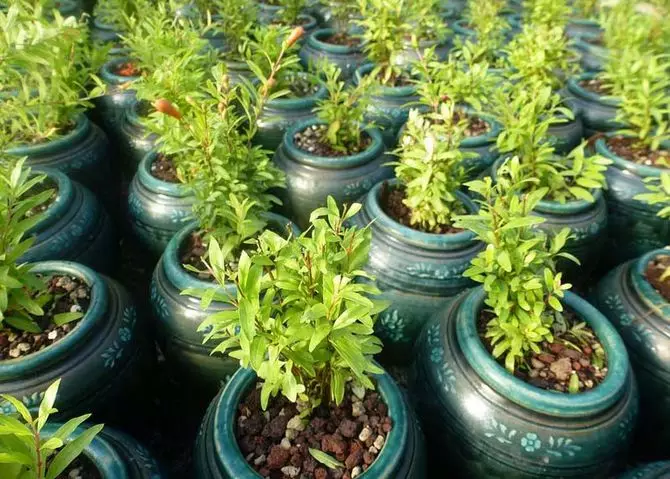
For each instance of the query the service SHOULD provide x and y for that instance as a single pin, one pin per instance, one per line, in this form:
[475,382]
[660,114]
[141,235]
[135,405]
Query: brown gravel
[128,69]
[595,85]
[81,468]
[163,169]
[312,140]
[631,150]
[655,269]
[343,39]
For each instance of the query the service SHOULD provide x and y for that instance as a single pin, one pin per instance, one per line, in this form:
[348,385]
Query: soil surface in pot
[595,85]
[396,81]
[655,269]
[313,140]
[68,294]
[299,86]
[276,442]
[47,184]
[127,69]
[631,150]
[81,468]
[192,253]
[343,39]
[163,169]
[575,351]
[392,203]
[476,126]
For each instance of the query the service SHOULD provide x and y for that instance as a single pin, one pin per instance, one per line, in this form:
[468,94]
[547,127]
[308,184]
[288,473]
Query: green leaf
[14,457]
[64,318]
[325,459]
[19,406]
[71,451]
[47,404]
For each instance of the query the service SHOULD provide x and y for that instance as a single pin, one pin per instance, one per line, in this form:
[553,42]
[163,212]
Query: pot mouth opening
[77,129]
[318,39]
[649,295]
[626,165]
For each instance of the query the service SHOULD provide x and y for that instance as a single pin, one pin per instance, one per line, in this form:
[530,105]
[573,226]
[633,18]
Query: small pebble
[365,434]
[357,409]
[14,353]
[373,450]
[285,444]
[259,460]
[379,442]
[52,335]
[291,434]
[290,471]
[23,347]
[75,308]
[296,423]
[355,472]
[359,391]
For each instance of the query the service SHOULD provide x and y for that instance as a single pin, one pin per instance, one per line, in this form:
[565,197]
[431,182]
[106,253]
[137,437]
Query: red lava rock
[576,366]
[546,358]
[368,458]
[320,473]
[571,353]
[587,350]
[349,428]
[333,443]
[276,428]
[355,456]
[278,457]
[556,348]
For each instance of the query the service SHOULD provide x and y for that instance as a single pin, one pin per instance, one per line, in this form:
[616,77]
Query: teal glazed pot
[310,179]
[268,13]
[642,317]
[177,317]
[415,271]
[598,113]
[315,48]
[389,108]
[578,27]
[217,454]
[75,227]
[116,455]
[100,362]
[110,109]
[156,209]
[279,114]
[564,137]
[70,8]
[635,227]
[654,470]
[483,422]
[82,154]
[588,225]
[592,55]
[107,34]
[408,56]
[135,140]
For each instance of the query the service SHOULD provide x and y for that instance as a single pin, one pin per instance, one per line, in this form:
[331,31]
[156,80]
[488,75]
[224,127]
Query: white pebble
[373,450]
[52,335]
[355,472]
[259,460]
[285,444]
[296,423]
[75,308]
[365,434]
[379,442]
[357,409]
[290,471]
[291,434]
[359,391]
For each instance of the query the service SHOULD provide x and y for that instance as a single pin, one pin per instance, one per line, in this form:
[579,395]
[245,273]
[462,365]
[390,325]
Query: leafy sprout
[117,13]
[490,29]
[302,319]
[658,193]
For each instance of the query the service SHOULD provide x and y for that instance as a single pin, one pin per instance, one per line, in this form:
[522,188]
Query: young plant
[46,67]
[425,21]
[303,318]
[547,13]
[117,13]
[586,9]
[290,11]
[658,194]
[517,267]
[236,21]
[27,452]
[430,168]
[342,13]
[490,27]
[343,110]
[22,293]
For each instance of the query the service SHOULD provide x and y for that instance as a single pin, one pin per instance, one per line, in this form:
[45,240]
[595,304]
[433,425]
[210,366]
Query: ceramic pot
[100,362]
[642,317]
[389,108]
[279,114]
[75,227]
[135,140]
[409,55]
[564,137]
[578,27]
[116,455]
[156,209]
[592,55]
[588,225]
[82,154]
[107,34]
[70,8]
[311,178]
[634,227]
[416,272]
[268,13]
[177,317]
[217,454]
[654,470]
[315,48]
[110,109]
[483,422]
[597,112]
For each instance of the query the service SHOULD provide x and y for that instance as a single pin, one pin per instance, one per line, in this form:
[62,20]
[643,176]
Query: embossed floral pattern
[530,442]
[116,350]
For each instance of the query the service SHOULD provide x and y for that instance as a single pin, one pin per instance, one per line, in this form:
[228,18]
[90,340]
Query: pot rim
[60,206]
[144,176]
[576,89]
[11,368]
[373,151]
[390,91]
[583,404]
[314,41]
[224,426]
[625,165]
[645,291]
[82,127]
[107,72]
[299,103]
[407,235]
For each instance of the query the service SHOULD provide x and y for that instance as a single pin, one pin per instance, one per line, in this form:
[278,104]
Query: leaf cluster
[28,451]
[235,20]
[490,29]
[658,193]
[517,267]
[546,13]
[430,166]
[302,315]
[586,9]
[117,13]
[343,110]
[46,70]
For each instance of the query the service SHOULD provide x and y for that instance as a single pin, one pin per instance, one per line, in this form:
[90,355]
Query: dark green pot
[82,154]
[654,470]
[135,140]
[642,317]
[75,227]
[110,109]
[579,27]
[268,13]
[107,34]
[70,8]
[597,112]
[177,317]
[635,227]
[116,455]
[101,361]
[348,59]
[416,272]
[588,225]
[483,422]
[217,454]
[408,56]
[279,114]
[592,55]
[564,137]
[157,209]
[389,107]
[311,178]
